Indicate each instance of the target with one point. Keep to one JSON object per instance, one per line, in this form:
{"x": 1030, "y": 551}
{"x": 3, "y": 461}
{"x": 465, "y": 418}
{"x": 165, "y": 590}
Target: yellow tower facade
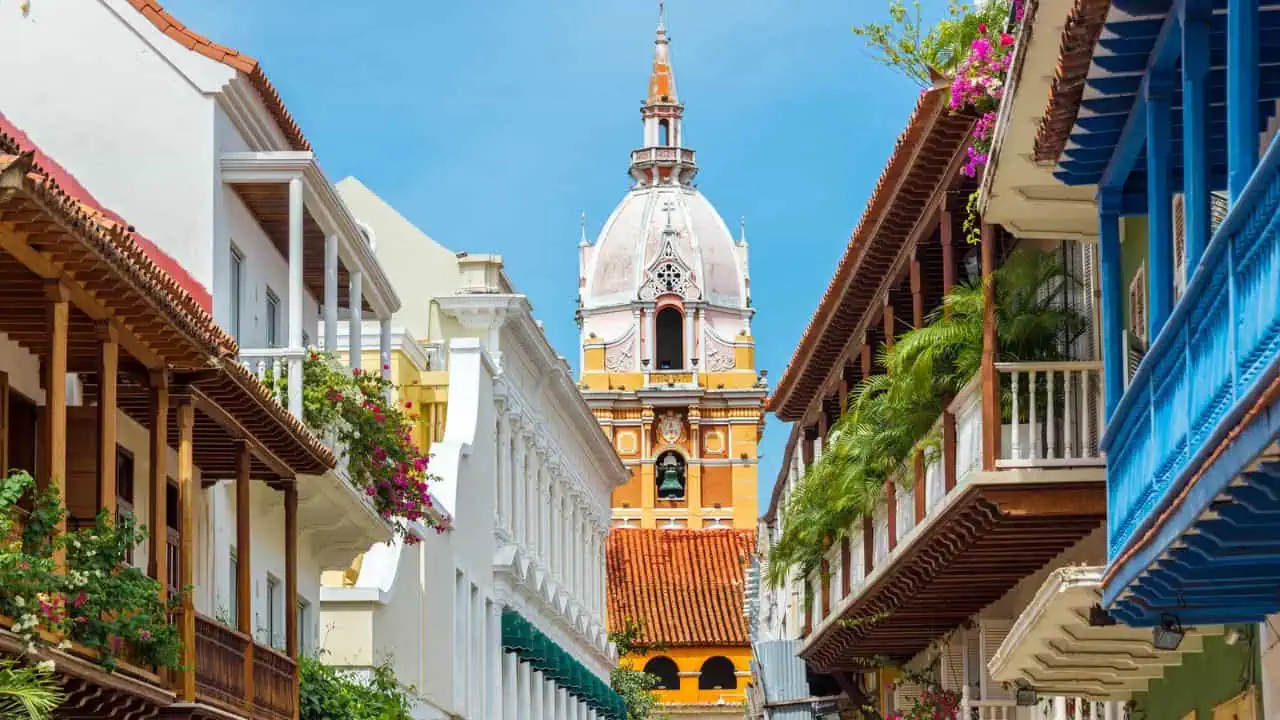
{"x": 668, "y": 358}
{"x": 668, "y": 368}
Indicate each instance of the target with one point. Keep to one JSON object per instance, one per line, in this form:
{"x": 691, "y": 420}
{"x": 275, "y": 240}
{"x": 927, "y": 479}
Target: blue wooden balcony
{"x": 1179, "y": 95}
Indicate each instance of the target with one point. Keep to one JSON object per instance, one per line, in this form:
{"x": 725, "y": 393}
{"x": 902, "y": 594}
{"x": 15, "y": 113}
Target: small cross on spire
{"x": 669, "y": 207}
{"x": 662, "y": 14}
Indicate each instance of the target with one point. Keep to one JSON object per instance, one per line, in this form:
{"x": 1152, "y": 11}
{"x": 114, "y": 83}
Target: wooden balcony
{"x": 955, "y": 537}
{"x": 242, "y": 677}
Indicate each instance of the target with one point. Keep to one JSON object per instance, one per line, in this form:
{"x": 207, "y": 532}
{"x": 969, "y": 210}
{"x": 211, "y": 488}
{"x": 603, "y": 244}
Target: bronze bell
{"x": 671, "y": 486}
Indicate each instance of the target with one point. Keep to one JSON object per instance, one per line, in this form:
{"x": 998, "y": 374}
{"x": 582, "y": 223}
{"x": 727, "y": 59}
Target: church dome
{"x": 665, "y": 239}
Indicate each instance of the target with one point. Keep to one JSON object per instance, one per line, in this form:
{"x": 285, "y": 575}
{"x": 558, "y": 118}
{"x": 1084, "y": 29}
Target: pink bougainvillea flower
{"x": 1006, "y": 39}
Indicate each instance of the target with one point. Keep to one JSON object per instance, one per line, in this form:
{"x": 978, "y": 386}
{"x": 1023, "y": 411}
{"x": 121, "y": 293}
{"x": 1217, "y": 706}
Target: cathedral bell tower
{"x": 668, "y": 358}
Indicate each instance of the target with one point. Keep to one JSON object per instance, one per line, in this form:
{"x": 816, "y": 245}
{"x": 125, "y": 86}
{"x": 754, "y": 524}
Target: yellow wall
{"x": 689, "y": 660}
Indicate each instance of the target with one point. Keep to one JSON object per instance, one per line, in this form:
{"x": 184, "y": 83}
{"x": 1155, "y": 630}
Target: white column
{"x": 562, "y": 703}
{"x": 562, "y": 511}
{"x": 331, "y": 293}
{"x": 384, "y": 346}
{"x": 538, "y": 701}
{"x": 504, "y": 466}
{"x": 524, "y": 692}
{"x": 517, "y": 485}
{"x": 544, "y": 508}
{"x": 493, "y": 693}
{"x": 355, "y": 324}
{"x": 296, "y": 209}
{"x": 510, "y": 696}
{"x": 688, "y": 341}
{"x": 553, "y": 529}
{"x": 549, "y": 701}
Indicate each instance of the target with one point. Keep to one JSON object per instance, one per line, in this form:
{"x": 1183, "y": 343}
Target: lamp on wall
{"x": 973, "y": 265}
{"x": 1168, "y": 634}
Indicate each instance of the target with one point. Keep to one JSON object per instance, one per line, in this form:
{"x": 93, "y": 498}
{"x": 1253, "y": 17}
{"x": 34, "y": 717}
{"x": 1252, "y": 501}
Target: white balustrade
{"x": 880, "y": 524}
{"x": 906, "y": 512}
{"x": 935, "y": 479}
{"x": 857, "y": 569}
{"x": 967, "y": 407}
{"x": 1077, "y": 708}
{"x": 990, "y": 710}
{"x": 271, "y": 366}
{"x": 1055, "y": 414}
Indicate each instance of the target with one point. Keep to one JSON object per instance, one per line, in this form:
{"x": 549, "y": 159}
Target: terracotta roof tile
{"x": 1075, "y": 55}
{"x": 169, "y": 25}
{"x": 686, "y": 587}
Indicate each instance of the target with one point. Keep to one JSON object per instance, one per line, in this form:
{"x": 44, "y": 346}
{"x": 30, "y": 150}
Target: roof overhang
{"x": 993, "y": 531}
{"x": 923, "y": 166}
{"x": 1054, "y": 648}
{"x": 1017, "y": 191}
{"x": 261, "y": 179}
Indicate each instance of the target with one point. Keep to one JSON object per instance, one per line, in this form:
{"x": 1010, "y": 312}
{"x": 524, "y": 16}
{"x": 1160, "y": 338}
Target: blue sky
{"x": 492, "y": 125}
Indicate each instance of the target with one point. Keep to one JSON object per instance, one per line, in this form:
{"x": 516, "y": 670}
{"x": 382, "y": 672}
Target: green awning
{"x": 529, "y": 644}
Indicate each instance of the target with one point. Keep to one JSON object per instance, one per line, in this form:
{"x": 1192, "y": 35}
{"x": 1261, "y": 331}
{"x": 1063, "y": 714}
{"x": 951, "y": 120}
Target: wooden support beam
{"x": 868, "y": 544}
{"x": 888, "y": 320}
{"x": 991, "y": 410}
{"x": 846, "y": 564}
{"x": 948, "y": 451}
{"x": 16, "y": 245}
{"x": 824, "y": 573}
{"x": 244, "y": 560}
{"x": 866, "y": 359}
{"x": 157, "y": 560}
{"x": 186, "y": 546}
{"x": 210, "y": 408}
{"x": 917, "y": 294}
{"x": 947, "y": 227}
{"x": 108, "y": 384}
{"x": 53, "y": 470}
{"x": 891, "y": 502}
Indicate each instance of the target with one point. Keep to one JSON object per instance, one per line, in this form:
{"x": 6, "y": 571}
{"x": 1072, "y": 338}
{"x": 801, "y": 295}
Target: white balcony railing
{"x": 1055, "y": 417}
{"x": 906, "y": 513}
{"x": 271, "y": 364}
{"x": 1075, "y": 708}
{"x": 989, "y": 709}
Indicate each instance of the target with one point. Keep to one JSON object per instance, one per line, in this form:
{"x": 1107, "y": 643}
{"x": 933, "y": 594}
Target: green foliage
{"x": 926, "y": 54}
{"x": 376, "y": 435}
{"x": 325, "y": 693}
{"x": 635, "y": 686}
{"x": 98, "y": 600}
{"x": 891, "y": 416}
{"x": 27, "y": 692}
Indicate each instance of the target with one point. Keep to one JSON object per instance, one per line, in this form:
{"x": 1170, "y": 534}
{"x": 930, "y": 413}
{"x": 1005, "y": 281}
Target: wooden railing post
{"x": 868, "y": 544}
{"x": 948, "y": 451}
{"x": 991, "y": 414}
{"x": 921, "y": 486}
{"x": 54, "y": 471}
{"x": 244, "y": 563}
{"x": 186, "y": 544}
{"x": 157, "y": 559}
{"x": 108, "y": 378}
{"x": 891, "y": 502}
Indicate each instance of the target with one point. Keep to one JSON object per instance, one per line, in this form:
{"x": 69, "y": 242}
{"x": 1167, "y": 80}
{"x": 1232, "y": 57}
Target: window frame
{"x": 237, "y": 291}
{"x": 272, "y": 319}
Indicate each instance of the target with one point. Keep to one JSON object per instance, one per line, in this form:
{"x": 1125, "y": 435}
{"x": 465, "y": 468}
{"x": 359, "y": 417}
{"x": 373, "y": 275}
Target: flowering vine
{"x": 977, "y": 88}
{"x": 376, "y": 434}
{"x": 97, "y": 599}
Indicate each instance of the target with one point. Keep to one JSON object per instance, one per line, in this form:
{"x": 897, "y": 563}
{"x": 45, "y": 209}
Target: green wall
{"x": 1203, "y": 680}
{"x": 1133, "y": 253}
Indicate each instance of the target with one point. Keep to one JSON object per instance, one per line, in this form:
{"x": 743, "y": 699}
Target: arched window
{"x": 670, "y": 340}
{"x": 667, "y": 672}
{"x": 717, "y": 674}
{"x": 664, "y": 133}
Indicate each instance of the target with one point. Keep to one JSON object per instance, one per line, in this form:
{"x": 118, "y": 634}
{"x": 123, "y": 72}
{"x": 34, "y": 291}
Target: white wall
{"x": 105, "y": 103}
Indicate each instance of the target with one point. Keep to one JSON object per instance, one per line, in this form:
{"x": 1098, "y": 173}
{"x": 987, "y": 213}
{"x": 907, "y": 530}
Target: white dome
{"x": 665, "y": 239}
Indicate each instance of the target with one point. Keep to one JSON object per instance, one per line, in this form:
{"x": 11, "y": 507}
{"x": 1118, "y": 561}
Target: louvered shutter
{"x": 951, "y": 668}
{"x": 906, "y": 694}
{"x": 1179, "y": 245}
{"x": 991, "y": 633}
{"x": 1138, "y": 303}
{"x": 1218, "y": 207}
{"x": 1134, "y": 349}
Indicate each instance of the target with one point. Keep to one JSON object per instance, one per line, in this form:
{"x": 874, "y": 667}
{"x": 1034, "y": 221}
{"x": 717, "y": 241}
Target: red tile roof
{"x": 685, "y": 587}
{"x": 230, "y": 57}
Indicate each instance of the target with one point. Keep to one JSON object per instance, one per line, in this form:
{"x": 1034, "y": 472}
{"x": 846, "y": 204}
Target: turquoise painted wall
{"x": 1203, "y": 680}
